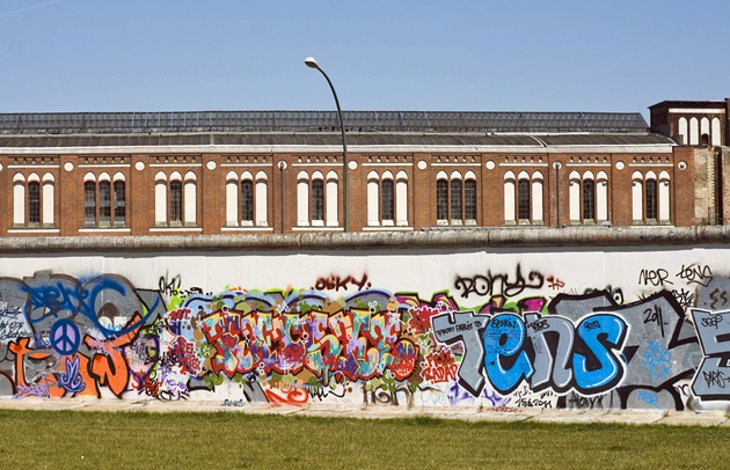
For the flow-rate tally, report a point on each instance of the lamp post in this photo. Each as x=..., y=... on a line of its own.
x=312, y=63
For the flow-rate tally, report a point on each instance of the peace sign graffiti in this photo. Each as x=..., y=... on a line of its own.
x=65, y=337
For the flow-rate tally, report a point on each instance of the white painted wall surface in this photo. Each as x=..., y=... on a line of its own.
x=636, y=273
x=424, y=272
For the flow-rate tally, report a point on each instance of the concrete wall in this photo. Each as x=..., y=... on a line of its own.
x=502, y=327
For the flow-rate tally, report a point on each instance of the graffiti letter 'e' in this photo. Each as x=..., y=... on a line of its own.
x=601, y=333
x=503, y=339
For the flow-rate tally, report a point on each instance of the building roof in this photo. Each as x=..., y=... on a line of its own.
x=709, y=104
x=326, y=139
x=320, y=121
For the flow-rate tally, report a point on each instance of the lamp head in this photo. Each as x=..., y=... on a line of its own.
x=311, y=62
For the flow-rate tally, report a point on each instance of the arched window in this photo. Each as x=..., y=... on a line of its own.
x=682, y=124
x=175, y=199
x=48, y=209
x=716, y=132
x=523, y=199
x=160, y=198
x=19, y=199
x=190, y=198
x=601, y=196
x=589, y=200
x=442, y=197
x=588, y=197
x=317, y=204
x=470, y=199
x=331, y=194
x=302, y=198
x=387, y=201
x=704, y=132
x=34, y=202
x=120, y=200
x=650, y=199
x=574, y=190
x=536, y=195
x=261, y=195
x=663, y=198
x=90, y=202
x=317, y=201
x=373, y=199
x=401, y=198
x=456, y=199
x=247, y=201
x=694, y=131
x=509, y=198
x=105, y=202
x=637, y=197
x=176, y=202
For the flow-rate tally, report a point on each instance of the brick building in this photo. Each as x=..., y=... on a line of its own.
x=704, y=126
x=695, y=123
x=75, y=174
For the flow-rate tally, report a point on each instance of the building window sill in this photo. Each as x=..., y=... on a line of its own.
x=30, y=229
x=399, y=228
x=105, y=230
x=246, y=229
x=320, y=228
x=176, y=229
x=653, y=223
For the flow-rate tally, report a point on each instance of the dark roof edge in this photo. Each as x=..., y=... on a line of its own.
x=693, y=103
x=478, y=238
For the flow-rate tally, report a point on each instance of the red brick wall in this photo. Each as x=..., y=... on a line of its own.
x=211, y=170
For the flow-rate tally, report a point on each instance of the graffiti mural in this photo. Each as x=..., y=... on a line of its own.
x=530, y=341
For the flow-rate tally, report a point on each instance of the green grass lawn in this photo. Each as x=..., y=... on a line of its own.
x=68, y=439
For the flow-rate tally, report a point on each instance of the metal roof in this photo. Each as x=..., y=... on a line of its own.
x=320, y=121
x=326, y=138
x=605, y=139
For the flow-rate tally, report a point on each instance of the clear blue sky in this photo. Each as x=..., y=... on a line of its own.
x=490, y=55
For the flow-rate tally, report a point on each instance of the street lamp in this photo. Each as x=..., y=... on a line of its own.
x=311, y=62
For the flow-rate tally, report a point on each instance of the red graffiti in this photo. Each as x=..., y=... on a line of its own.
x=286, y=395
x=555, y=283
x=439, y=366
x=406, y=354
x=420, y=321
x=183, y=353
